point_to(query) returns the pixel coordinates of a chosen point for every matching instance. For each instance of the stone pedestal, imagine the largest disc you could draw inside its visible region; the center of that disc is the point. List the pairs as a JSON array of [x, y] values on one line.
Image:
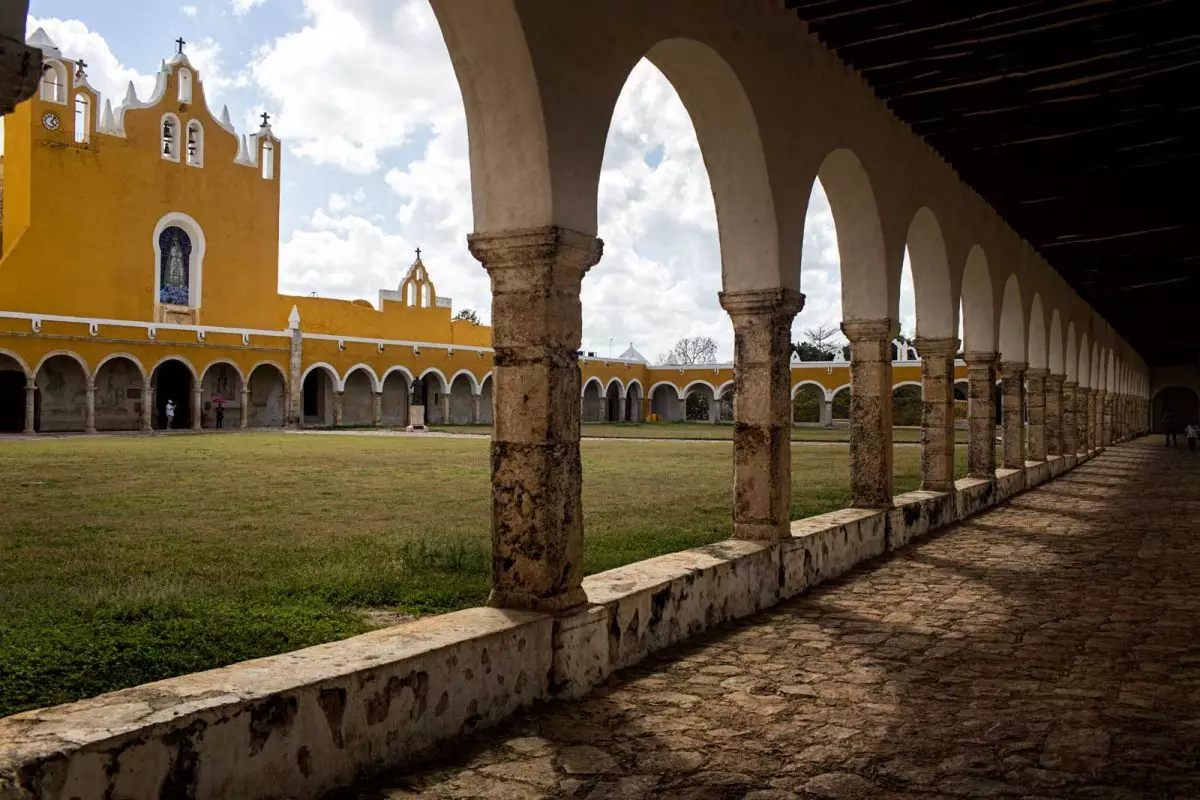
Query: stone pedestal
[[937, 413], [377, 409], [416, 419], [89, 424], [870, 411], [537, 321], [1035, 386], [1054, 415], [981, 413], [826, 413], [338, 398], [30, 408], [1012, 387], [197, 410], [762, 432], [244, 416]]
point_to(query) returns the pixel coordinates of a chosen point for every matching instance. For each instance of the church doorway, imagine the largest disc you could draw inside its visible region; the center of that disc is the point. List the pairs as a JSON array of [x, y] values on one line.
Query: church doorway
[[172, 381], [12, 399]]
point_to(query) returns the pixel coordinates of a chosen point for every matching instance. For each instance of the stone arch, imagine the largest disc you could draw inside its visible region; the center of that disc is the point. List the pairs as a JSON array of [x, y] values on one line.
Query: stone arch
[[194, 146], [318, 384], [633, 401], [267, 383], [170, 137], [78, 359], [700, 402], [592, 408], [396, 383], [665, 401], [370, 373], [220, 394], [470, 376], [486, 416], [120, 383], [1071, 365], [839, 402], [614, 396], [808, 403], [1012, 323], [906, 404], [462, 398], [1039, 353], [54, 86], [864, 264], [1085, 362], [14, 378], [1056, 360], [933, 291], [358, 395], [197, 246], [173, 379], [962, 391], [978, 304], [435, 389]]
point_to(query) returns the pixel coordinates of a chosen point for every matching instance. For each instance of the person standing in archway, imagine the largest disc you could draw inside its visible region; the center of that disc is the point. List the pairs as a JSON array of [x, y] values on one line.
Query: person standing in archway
[[170, 409], [1170, 428], [1192, 432]]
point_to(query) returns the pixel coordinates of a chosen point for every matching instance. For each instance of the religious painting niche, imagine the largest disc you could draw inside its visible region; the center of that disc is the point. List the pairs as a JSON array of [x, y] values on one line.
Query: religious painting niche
[[175, 266]]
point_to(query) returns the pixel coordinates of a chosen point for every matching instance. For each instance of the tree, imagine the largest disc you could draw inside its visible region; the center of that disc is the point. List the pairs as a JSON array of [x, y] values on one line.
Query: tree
[[468, 315], [690, 350], [820, 343]]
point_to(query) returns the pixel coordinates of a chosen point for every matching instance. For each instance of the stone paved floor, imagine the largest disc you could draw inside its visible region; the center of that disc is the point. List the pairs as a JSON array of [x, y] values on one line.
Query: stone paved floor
[[1049, 648]]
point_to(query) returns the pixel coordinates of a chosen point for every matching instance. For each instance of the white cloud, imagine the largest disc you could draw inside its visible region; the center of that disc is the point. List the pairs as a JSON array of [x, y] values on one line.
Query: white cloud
[[189, 11], [205, 56], [243, 6], [105, 71]]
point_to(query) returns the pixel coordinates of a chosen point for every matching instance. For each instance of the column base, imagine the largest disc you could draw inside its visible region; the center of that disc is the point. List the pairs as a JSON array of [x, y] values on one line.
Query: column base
[[522, 601], [762, 531]]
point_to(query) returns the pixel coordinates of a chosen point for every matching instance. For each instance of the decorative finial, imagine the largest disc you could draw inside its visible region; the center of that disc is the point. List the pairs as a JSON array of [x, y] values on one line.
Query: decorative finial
[[180, 43], [266, 119], [80, 66], [131, 98], [418, 254], [294, 318], [225, 120]]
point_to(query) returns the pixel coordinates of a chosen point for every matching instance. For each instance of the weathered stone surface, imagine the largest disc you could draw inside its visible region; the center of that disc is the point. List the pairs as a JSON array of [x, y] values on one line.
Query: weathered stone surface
[[981, 447], [870, 411], [1035, 387], [937, 413], [762, 433], [1054, 415], [1070, 411], [1012, 381]]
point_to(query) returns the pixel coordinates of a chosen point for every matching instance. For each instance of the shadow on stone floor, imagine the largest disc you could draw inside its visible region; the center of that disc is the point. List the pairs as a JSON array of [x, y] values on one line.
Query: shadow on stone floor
[[1005, 656]]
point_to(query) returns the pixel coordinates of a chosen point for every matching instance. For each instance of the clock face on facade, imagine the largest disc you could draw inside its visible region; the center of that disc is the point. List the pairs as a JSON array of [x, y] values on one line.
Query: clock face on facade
[[50, 121]]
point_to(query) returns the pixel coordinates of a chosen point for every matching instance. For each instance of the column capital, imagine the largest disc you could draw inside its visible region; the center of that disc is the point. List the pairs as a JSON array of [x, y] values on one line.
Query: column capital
[[756, 302], [981, 358], [548, 245], [1013, 369], [1055, 381], [1070, 384], [936, 347], [1039, 372], [867, 330]]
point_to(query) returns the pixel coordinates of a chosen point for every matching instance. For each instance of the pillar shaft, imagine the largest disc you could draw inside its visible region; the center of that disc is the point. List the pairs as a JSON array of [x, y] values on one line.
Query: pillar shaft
[[870, 411], [338, 398], [1012, 386], [244, 416], [475, 409], [148, 409], [826, 413], [295, 382], [30, 408], [197, 411], [1035, 385], [937, 413], [1082, 419], [1093, 439], [444, 402], [1070, 407], [537, 322], [1054, 415], [377, 409], [762, 437], [981, 413], [1105, 409], [89, 425]]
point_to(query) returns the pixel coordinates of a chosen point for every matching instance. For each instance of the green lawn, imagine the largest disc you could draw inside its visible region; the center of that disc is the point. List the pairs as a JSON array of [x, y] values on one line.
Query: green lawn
[[700, 430], [128, 559]]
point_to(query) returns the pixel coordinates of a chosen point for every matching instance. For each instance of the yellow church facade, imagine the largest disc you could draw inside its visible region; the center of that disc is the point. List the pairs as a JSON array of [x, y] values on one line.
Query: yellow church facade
[[139, 252]]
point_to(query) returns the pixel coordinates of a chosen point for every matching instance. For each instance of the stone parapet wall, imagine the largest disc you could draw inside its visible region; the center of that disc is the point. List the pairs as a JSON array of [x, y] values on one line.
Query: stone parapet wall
[[300, 724]]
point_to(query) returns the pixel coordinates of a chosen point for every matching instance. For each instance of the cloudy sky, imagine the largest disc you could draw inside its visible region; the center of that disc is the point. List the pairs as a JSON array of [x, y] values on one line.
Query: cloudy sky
[[369, 175]]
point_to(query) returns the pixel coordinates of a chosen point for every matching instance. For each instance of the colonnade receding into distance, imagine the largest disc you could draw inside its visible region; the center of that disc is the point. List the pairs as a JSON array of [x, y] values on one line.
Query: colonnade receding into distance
[[773, 112]]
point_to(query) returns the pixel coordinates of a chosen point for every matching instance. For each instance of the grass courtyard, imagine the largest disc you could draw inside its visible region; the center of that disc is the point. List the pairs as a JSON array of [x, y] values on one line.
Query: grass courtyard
[[704, 430], [127, 559]]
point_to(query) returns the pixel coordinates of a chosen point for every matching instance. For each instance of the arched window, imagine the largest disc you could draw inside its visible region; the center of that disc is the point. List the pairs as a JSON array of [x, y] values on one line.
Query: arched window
[[268, 161], [83, 118], [175, 266], [54, 82], [195, 144], [170, 137], [185, 85]]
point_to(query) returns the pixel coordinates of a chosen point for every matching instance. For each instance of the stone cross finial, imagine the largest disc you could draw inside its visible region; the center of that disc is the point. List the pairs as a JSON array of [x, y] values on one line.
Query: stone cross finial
[[80, 66], [180, 43], [266, 119], [418, 254]]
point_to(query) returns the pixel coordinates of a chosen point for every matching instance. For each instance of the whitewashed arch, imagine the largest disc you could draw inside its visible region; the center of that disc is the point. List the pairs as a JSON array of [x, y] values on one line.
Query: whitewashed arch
[[1110, 374], [87, 371], [1095, 364], [475, 384], [820, 387], [688, 389], [834, 392], [486, 377], [329, 370], [171, 145], [896, 386], [1013, 343], [635, 382], [655, 387], [978, 304], [224, 362], [726, 386], [128, 357], [620, 386], [866, 283], [1056, 360], [408, 376], [1039, 353], [196, 267], [268, 363], [589, 382], [53, 85], [933, 291], [440, 376], [1085, 362], [194, 140], [20, 362], [1072, 360], [376, 385]]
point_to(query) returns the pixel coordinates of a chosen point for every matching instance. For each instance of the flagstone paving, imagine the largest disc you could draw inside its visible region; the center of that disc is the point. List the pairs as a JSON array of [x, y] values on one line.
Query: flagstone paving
[[1048, 648]]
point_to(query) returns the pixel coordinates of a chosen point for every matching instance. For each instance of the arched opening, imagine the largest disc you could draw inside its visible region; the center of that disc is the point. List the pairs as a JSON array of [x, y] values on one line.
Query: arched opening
[[869, 292], [395, 399], [906, 406], [62, 390], [665, 404], [633, 402], [83, 118], [613, 407], [841, 405], [725, 402], [172, 382], [962, 391], [170, 137], [462, 401], [593, 406], [1181, 401], [806, 405], [220, 396], [268, 161], [195, 144], [268, 397], [700, 404], [185, 85], [174, 266], [318, 390], [12, 395], [120, 392], [485, 402], [358, 398], [54, 81], [433, 390]]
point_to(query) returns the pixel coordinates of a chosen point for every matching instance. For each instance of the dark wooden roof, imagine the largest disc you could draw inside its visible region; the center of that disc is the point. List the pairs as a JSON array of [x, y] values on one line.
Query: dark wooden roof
[[1078, 121]]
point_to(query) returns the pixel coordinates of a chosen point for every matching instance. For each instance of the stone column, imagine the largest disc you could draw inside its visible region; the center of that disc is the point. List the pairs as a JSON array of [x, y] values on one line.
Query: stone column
[[147, 409], [1054, 415], [377, 409], [1035, 385], [338, 397], [30, 407], [1012, 386], [1070, 427], [537, 322], [826, 412], [295, 387], [89, 424], [870, 411], [981, 414], [762, 431], [1106, 418], [244, 417], [1093, 429], [937, 413], [714, 412], [1082, 419], [197, 411], [475, 400], [445, 403]]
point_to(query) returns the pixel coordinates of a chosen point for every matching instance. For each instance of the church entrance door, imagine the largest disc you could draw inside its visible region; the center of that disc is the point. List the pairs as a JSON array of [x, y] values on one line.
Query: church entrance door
[[12, 401]]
